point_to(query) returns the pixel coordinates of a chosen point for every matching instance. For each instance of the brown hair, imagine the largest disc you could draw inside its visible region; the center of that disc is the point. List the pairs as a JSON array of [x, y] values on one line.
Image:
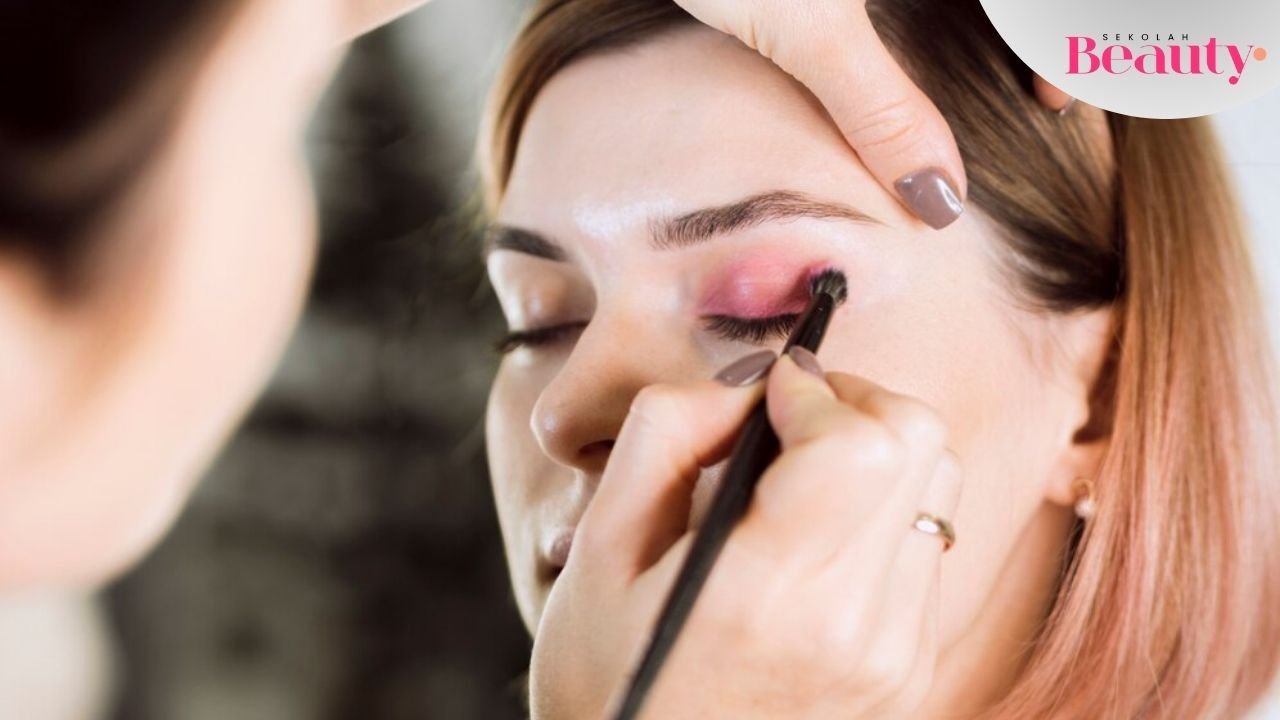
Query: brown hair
[[1168, 603], [90, 89]]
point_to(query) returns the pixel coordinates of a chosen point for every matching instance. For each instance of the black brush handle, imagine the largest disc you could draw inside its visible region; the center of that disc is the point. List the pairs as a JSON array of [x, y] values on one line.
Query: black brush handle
[[757, 447], [813, 324]]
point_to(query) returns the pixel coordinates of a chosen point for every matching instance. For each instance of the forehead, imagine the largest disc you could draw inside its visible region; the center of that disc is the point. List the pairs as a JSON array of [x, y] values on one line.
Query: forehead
[[688, 119]]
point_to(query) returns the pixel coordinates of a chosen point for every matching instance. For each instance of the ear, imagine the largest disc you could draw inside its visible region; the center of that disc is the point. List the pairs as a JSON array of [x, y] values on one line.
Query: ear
[[1088, 352]]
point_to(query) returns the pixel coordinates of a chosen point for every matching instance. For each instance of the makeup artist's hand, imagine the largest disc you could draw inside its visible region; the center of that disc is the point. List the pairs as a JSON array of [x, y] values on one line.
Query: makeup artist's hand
[[823, 602], [357, 17], [831, 47]]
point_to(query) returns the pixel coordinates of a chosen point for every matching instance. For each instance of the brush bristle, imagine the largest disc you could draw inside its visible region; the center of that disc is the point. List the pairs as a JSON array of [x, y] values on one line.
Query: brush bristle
[[831, 282]]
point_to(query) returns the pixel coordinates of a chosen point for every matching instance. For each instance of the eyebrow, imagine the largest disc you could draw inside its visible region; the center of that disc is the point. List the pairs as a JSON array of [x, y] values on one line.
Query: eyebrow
[[693, 227], [707, 223], [507, 237]]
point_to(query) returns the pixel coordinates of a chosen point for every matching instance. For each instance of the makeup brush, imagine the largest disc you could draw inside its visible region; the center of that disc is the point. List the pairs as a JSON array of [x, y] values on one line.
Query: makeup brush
[[757, 446]]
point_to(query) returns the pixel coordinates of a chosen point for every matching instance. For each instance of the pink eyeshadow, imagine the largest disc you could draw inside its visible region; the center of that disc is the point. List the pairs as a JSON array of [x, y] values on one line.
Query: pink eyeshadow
[[760, 288]]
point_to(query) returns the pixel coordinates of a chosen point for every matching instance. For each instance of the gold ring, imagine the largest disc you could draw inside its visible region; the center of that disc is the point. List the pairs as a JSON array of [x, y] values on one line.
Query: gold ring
[[933, 525]]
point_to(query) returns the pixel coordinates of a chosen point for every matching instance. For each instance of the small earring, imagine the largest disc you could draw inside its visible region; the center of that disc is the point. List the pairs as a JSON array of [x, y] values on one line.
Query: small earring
[[1086, 506]]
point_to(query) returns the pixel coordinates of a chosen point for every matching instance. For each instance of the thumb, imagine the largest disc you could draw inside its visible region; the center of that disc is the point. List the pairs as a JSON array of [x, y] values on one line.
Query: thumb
[[670, 434], [896, 130], [833, 49]]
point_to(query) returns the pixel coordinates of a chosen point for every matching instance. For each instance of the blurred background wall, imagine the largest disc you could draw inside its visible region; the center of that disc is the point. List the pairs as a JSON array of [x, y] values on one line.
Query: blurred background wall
[[342, 559]]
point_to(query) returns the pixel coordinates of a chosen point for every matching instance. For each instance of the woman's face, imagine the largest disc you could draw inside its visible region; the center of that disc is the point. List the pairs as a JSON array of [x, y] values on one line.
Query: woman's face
[[668, 198]]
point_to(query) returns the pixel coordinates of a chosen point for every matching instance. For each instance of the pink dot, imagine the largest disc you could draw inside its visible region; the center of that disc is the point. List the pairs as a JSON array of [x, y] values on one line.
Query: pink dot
[[1233, 79], [1260, 53]]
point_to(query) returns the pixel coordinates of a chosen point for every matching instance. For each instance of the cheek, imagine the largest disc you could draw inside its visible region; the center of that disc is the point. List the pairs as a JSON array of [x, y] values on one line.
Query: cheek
[[515, 464], [1001, 426], [509, 442]]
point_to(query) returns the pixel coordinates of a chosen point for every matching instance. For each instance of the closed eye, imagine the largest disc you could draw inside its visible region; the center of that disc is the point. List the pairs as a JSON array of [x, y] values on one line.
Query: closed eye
[[736, 329], [752, 330], [537, 337]]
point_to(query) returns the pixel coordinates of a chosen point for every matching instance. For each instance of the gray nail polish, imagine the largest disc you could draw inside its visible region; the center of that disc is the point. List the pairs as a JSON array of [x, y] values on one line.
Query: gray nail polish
[[930, 196], [747, 370], [806, 361]]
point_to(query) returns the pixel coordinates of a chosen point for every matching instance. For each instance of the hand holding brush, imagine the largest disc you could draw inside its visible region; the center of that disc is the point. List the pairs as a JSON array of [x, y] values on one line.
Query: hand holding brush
[[821, 601]]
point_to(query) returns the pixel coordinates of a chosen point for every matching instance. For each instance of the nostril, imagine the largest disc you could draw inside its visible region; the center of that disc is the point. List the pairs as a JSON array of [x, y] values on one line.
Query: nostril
[[593, 456], [599, 447]]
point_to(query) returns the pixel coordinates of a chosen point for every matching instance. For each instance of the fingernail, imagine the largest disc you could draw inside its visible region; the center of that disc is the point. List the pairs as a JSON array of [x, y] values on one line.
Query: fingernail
[[747, 370], [806, 361], [1071, 102], [930, 196]]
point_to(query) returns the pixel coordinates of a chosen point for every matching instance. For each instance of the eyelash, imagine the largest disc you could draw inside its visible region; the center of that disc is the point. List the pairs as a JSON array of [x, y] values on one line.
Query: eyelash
[[517, 339], [752, 330]]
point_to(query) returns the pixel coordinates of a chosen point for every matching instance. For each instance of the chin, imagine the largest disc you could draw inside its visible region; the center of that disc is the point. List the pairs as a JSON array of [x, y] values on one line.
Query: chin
[[79, 547]]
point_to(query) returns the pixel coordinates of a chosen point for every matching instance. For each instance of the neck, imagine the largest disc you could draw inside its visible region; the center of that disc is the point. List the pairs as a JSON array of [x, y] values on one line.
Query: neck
[[980, 667]]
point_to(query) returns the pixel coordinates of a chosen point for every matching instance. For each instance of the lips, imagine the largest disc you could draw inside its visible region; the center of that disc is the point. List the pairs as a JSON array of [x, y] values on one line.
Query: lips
[[557, 543], [554, 552]]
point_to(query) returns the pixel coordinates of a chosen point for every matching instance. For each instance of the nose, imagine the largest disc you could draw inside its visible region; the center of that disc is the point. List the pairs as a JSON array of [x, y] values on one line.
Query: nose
[[579, 414]]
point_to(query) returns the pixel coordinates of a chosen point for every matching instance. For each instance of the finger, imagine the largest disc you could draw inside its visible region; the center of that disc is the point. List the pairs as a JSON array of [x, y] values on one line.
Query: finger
[[654, 584], [802, 406], [900, 647], [838, 471], [917, 554], [912, 421], [804, 411], [941, 499], [1052, 97], [833, 49], [918, 431], [361, 16], [670, 434], [915, 690], [895, 129]]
